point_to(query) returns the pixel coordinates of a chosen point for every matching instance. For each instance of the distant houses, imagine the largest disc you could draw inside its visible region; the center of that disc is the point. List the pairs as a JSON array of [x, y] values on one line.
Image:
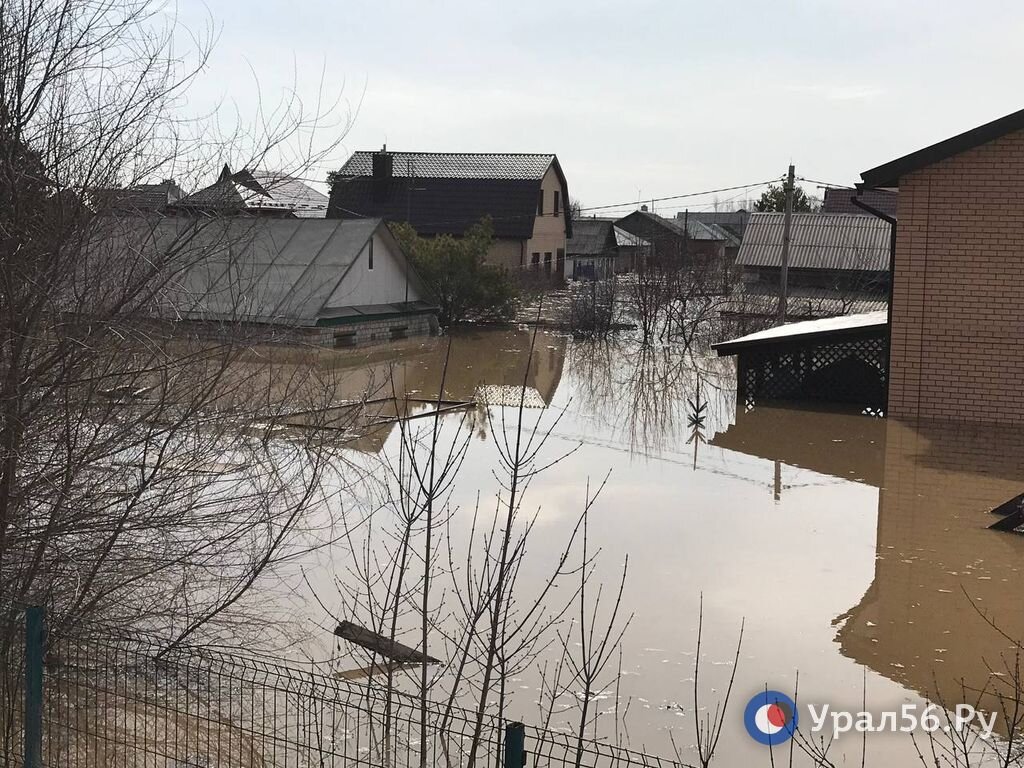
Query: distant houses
[[592, 251], [956, 324], [247, 192], [525, 196]]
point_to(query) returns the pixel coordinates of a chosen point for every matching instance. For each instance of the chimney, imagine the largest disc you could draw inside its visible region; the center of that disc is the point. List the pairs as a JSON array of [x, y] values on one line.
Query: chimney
[[644, 208], [383, 168]]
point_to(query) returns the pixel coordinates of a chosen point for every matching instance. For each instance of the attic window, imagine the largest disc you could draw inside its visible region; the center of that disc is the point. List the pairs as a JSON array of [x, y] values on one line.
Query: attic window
[[371, 253], [540, 203], [557, 209]]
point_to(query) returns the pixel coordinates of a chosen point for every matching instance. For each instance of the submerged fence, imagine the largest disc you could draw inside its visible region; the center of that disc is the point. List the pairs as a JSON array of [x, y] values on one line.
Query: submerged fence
[[83, 700]]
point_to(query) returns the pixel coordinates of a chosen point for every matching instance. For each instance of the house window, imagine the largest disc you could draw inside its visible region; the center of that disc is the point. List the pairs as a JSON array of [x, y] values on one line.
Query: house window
[[371, 253], [557, 209], [547, 262], [344, 339], [560, 261], [540, 203], [535, 260]]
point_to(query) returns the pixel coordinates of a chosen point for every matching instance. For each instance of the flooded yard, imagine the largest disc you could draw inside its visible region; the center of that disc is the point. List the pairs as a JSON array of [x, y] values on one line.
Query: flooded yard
[[852, 550]]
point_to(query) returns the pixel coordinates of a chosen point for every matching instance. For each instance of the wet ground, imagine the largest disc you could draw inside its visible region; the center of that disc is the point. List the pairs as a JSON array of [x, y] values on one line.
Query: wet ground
[[853, 550]]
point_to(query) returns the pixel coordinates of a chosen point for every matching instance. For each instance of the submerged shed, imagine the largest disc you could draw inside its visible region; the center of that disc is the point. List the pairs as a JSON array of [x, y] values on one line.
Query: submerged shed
[[835, 360]]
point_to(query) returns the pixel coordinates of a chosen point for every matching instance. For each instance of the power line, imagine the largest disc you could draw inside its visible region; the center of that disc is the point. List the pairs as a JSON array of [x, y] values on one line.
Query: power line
[[679, 197]]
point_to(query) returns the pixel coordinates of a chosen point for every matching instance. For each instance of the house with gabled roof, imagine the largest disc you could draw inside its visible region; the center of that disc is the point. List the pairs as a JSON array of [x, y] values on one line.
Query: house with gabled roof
[[956, 325], [524, 195], [705, 249], [328, 282], [842, 252], [592, 250]]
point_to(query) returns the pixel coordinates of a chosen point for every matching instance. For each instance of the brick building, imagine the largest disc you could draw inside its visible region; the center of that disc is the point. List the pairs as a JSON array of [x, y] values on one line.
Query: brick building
[[956, 349]]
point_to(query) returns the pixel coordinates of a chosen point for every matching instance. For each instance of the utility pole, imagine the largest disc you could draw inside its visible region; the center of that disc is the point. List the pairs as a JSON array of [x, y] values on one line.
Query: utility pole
[[786, 223]]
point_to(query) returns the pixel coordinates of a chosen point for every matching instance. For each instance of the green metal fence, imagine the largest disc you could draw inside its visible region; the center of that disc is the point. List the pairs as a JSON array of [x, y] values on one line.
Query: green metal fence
[[94, 699]]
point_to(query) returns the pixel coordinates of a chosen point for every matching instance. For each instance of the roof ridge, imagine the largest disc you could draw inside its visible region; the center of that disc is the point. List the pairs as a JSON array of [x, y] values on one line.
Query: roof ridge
[[432, 152]]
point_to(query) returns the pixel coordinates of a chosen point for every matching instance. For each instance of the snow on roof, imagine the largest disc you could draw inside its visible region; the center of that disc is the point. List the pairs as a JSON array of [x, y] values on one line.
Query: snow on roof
[[805, 328]]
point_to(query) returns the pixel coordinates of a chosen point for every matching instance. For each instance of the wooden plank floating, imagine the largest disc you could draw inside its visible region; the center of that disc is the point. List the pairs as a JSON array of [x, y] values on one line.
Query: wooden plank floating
[[386, 647]]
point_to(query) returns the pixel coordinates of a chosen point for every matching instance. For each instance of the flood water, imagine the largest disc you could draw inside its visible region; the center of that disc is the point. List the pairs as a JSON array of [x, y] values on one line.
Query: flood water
[[853, 550]]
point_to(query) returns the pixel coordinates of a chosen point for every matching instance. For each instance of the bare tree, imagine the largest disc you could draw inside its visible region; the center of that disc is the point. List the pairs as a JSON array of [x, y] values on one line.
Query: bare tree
[[150, 472]]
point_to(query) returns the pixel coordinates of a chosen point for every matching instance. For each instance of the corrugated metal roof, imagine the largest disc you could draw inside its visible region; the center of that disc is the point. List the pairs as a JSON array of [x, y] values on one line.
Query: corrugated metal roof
[[455, 165], [818, 241], [265, 270], [591, 237]]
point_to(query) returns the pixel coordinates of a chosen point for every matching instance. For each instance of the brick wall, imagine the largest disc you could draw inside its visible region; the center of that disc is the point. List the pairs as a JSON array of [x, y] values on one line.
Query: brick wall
[[958, 288], [372, 331]]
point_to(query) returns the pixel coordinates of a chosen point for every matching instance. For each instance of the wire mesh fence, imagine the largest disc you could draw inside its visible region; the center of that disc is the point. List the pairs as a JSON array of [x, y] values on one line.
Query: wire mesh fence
[[125, 702]]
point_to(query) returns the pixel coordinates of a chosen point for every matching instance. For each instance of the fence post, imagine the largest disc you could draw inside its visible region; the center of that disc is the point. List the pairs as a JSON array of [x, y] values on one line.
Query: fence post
[[515, 746], [35, 632]]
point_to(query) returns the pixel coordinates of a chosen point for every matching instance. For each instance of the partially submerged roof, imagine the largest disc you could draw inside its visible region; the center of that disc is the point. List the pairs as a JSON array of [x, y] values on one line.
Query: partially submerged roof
[[889, 174], [448, 192], [833, 241], [829, 326], [263, 270], [592, 237]]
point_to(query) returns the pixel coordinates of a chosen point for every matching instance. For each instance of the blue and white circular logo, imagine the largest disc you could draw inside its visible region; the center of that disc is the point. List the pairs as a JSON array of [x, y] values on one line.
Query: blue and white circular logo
[[771, 718]]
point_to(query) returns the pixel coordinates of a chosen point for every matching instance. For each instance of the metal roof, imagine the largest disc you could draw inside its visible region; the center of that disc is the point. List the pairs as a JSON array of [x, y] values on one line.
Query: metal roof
[[591, 237], [839, 241], [455, 165], [261, 190], [265, 270], [622, 237], [644, 221], [791, 331]]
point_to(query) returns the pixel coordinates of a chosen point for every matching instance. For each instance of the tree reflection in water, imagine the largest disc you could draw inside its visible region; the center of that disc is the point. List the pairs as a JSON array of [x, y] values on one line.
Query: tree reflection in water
[[655, 398]]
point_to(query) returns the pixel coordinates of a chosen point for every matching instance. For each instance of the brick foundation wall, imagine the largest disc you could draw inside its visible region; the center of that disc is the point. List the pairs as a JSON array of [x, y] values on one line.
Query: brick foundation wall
[[958, 288], [371, 331]]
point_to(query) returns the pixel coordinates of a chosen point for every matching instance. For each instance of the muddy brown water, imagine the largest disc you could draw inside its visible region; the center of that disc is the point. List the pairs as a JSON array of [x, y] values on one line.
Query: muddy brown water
[[853, 549]]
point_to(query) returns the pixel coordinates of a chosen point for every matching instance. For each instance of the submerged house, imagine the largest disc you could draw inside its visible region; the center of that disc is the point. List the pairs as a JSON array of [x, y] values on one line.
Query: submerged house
[[842, 252], [956, 322], [444, 193], [326, 282], [707, 249], [592, 251]]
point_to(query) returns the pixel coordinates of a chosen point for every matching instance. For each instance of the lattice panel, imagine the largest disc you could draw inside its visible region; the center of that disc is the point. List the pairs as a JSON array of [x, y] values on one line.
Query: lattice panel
[[850, 371]]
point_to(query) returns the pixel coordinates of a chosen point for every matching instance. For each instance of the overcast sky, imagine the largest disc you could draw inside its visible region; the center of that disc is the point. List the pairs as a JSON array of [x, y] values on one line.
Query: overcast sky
[[638, 99]]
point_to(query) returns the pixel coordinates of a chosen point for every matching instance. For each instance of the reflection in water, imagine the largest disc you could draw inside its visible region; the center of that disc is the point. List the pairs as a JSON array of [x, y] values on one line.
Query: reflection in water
[[916, 624], [879, 526], [487, 368], [650, 395]]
